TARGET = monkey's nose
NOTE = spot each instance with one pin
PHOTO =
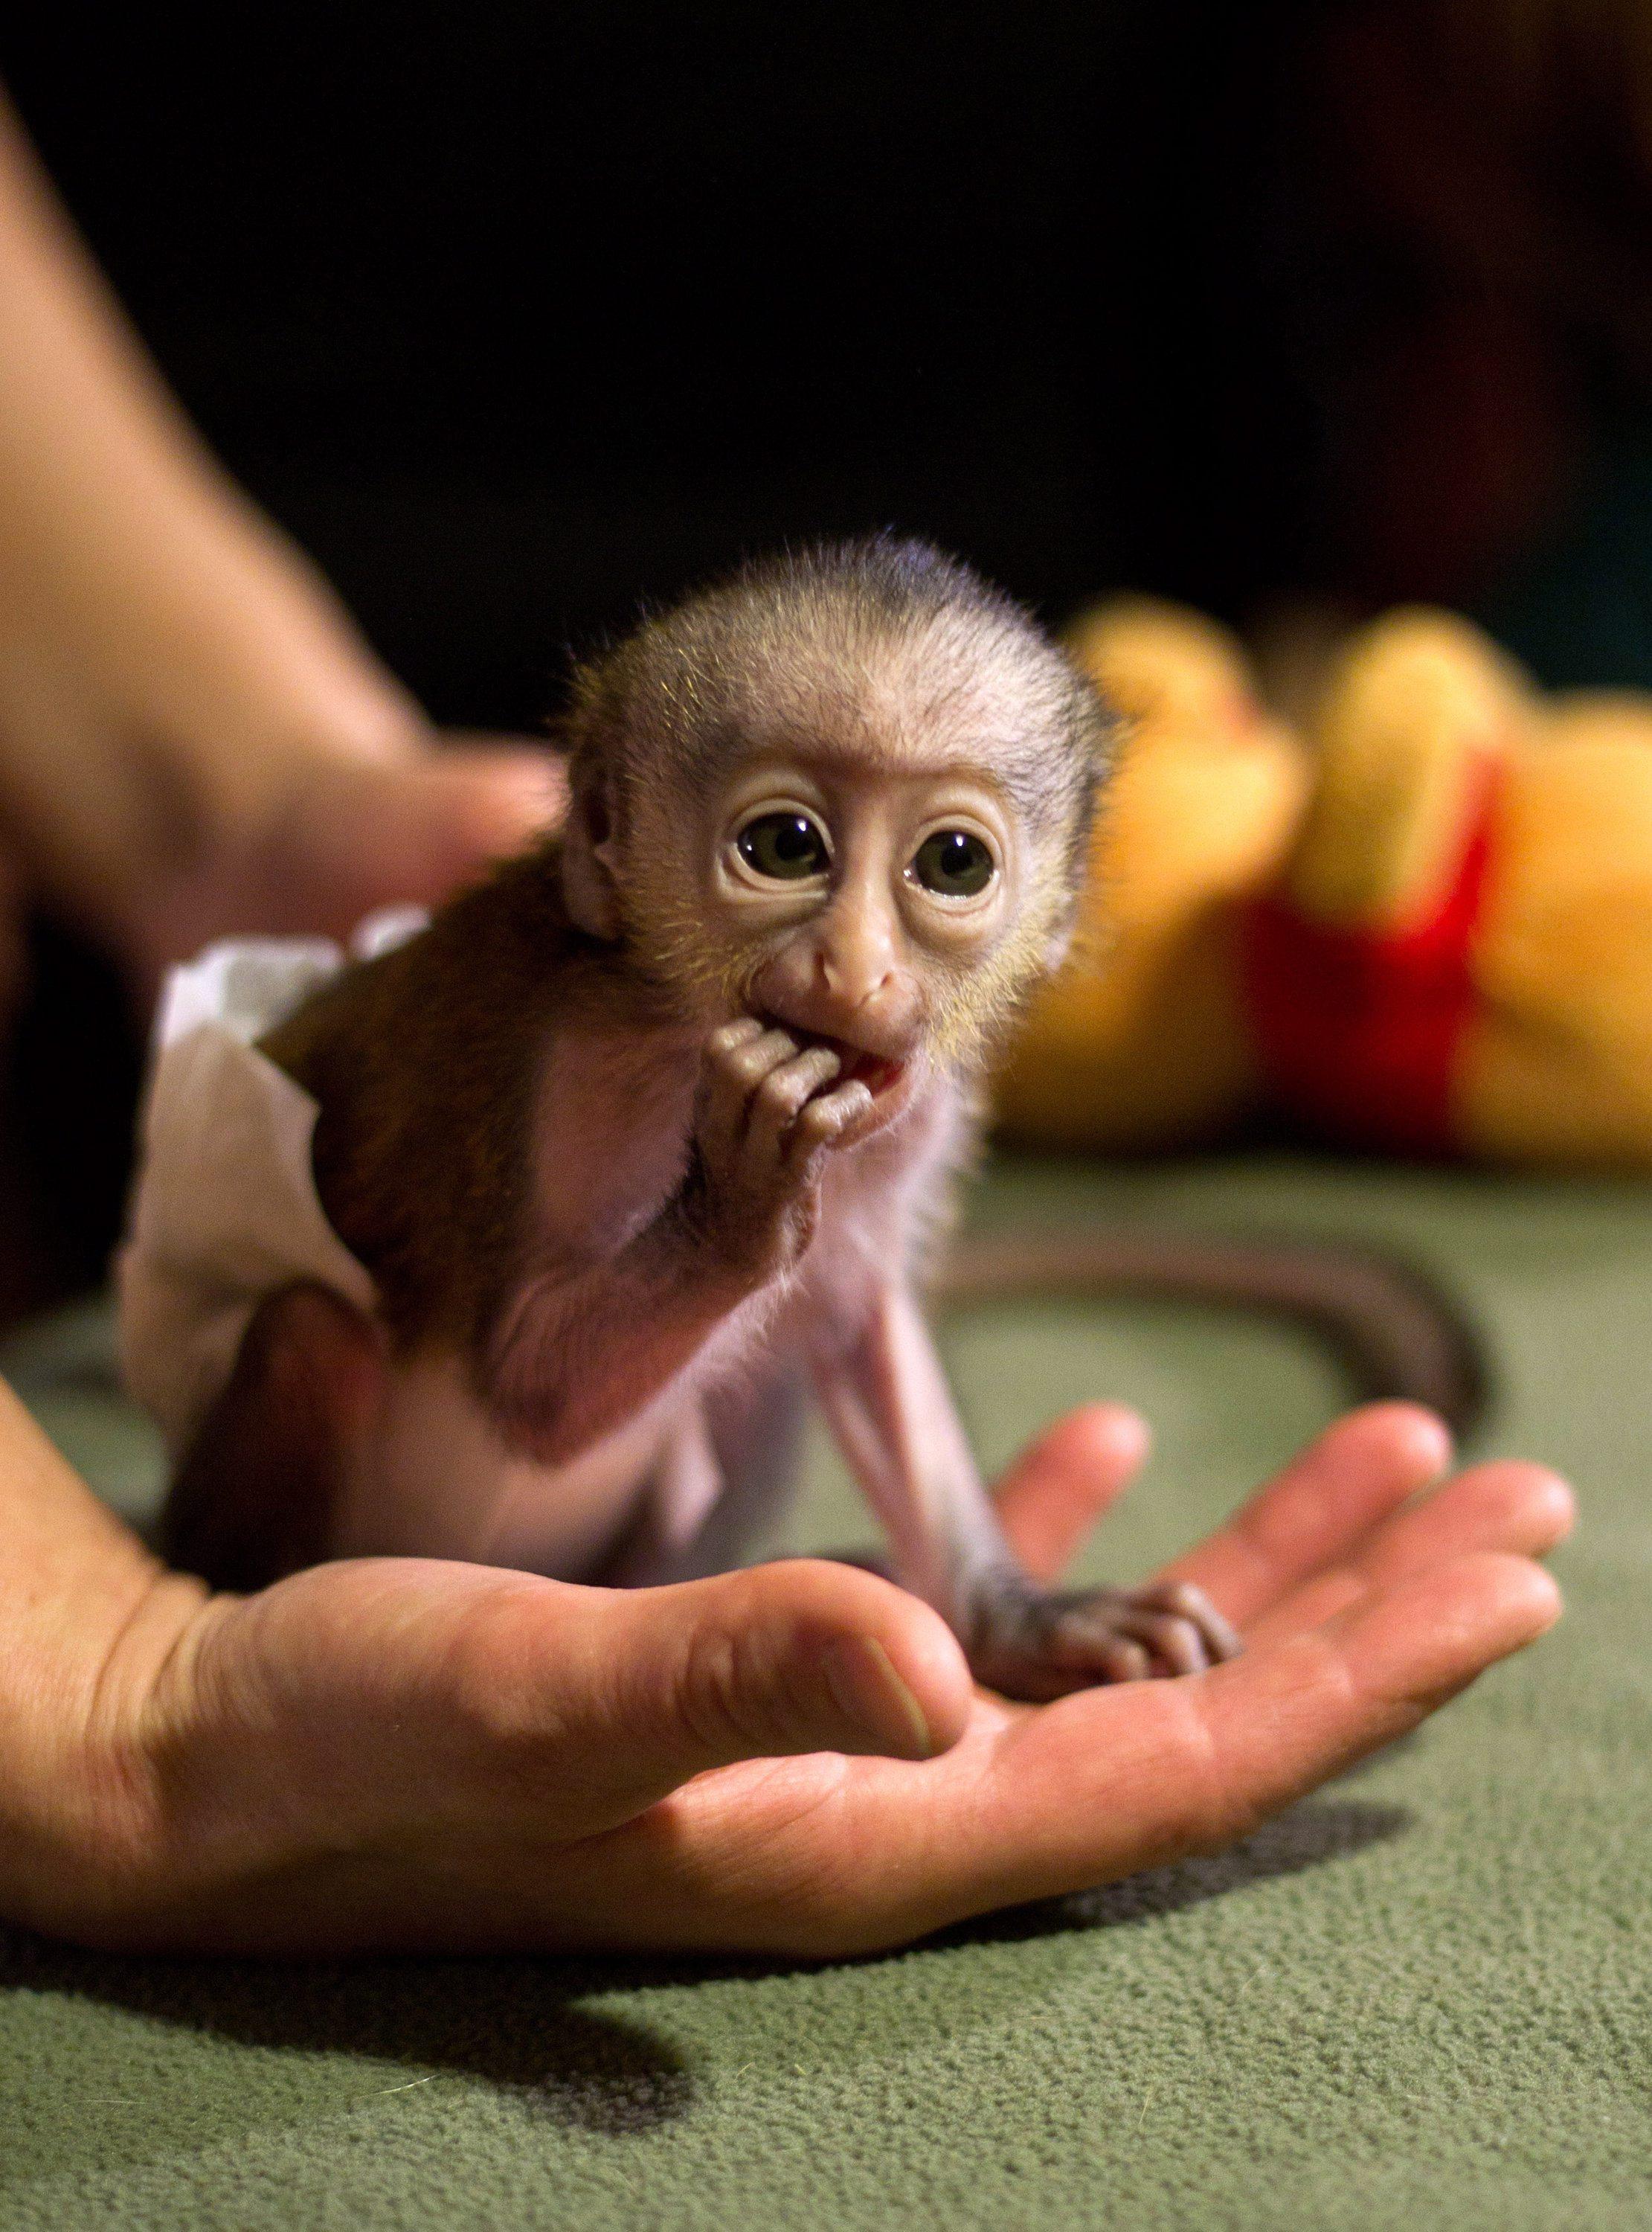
(845, 988)
(882, 1027)
(853, 988)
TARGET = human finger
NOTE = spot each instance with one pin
(1507, 1505)
(628, 1693)
(1325, 1501)
(1107, 1782)
(344, 837)
(1046, 1802)
(357, 835)
(1187, 1767)
(1056, 1491)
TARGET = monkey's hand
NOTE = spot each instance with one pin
(1037, 1643)
(766, 1114)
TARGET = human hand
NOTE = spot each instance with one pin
(345, 834)
(406, 1752)
(195, 738)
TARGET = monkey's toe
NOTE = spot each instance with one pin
(1182, 1626)
(1038, 1645)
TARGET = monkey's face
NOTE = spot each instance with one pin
(848, 793)
(863, 908)
(882, 889)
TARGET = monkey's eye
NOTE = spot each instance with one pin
(954, 863)
(787, 845)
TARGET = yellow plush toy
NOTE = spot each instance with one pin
(1135, 1042)
(1431, 931)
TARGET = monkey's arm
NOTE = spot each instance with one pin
(577, 1353)
(886, 1397)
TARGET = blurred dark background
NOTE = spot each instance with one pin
(514, 315)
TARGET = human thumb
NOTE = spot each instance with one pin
(369, 836)
(801, 1655)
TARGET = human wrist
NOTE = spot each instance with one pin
(89, 1623)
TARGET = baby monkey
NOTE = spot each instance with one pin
(650, 1132)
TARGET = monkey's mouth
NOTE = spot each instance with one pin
(878, 1073)
(875, 1071)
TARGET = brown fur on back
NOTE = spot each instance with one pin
(424, 1063)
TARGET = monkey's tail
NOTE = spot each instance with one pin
(1393, 1329)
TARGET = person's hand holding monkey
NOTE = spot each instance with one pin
(790, 1759)
(194, 738)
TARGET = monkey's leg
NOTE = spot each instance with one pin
(257, 1491)
(888, 1404)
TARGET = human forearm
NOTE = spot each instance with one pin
(167, 657)
(87, 1618)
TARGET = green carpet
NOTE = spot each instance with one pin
(1422, 1999)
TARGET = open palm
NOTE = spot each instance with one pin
(406, 1752)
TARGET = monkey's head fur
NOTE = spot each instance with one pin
(848, 790)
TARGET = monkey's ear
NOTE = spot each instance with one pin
(1058, 939)
(588, 888)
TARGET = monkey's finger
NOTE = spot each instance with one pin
(1508, 1505)
(1180, 1600)
(1170, 1641)
(825, 1119)
(739, 1075)
(1056, 1491)
(778, 1100)
(1322, 1504)
(1121, 1659)
(734, 1064)
(741, 1032)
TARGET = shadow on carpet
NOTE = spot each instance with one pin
(517, 2024)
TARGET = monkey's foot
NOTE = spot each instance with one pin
(1038, 1644)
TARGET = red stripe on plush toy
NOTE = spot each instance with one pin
(1359, 1030)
